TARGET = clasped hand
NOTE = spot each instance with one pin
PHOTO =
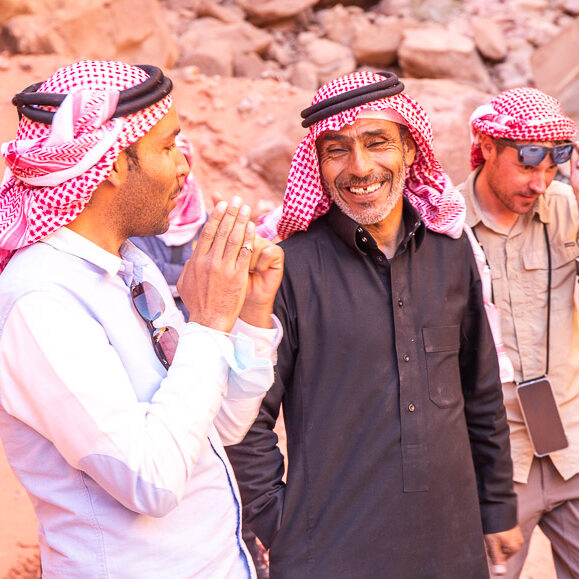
(232, 273)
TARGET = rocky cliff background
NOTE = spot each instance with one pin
(243, 69)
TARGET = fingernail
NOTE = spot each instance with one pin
(250, 227)
(499, 569)
(245, 210)
(221, 206)
(236, 201)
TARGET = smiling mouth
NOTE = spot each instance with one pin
(365, 190)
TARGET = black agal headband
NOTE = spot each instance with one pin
(131, 100)
(348, 100)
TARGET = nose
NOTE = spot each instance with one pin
(360, 161)
(540, 180)
(181, 163)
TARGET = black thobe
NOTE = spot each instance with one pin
(397, 439)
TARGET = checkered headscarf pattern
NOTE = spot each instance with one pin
(427, 187)
(519, 114)
(29, 213)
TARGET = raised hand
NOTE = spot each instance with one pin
(214, 281)
(265, 274)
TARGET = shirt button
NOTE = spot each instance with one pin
(400, 303)
(406, 358)
(411, 407)
(360, 230)
(364, 239)
(380, 258)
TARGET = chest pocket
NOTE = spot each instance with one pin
(441, 346)
(563, 272)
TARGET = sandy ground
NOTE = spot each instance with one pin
(18, 551)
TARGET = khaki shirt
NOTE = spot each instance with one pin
(519, 267)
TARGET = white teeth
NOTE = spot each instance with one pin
(365, 190)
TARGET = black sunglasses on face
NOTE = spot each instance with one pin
(534, 154)
(150, 305)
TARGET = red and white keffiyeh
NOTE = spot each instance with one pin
(427, 187)
(52, 170)
(189, 214)
(519, 114)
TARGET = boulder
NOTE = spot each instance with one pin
(242, 37)
(182, 5)
(376, 44)
(27, 34)
(11, 8)
(434, 52)
(262, 12)
(281, 51)
(540, 6)
(337, 23)
(365, 4)
(402, 8)
(229, 14)
(489, 38)
(132, 30)
(516, 69)
(213, 58)
(270, 158)
(542, 32)
(251, 65)
(330, 58)
(305, 75)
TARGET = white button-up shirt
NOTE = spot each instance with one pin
(123, 461)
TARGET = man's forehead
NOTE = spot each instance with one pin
(166, 127)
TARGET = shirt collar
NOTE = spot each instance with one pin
(351, 233)
(541, 210)
(130, 262)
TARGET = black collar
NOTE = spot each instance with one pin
(357, 236)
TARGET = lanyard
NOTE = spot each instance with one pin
(549, 268)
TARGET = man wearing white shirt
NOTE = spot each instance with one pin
(113, 410)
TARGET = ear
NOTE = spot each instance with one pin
(119, 171)
(409, 149)
(487, 146)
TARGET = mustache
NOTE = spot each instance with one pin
(364, 181)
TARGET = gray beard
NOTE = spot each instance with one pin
(372, 215)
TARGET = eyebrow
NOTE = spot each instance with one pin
(375, 133)
(172, 135)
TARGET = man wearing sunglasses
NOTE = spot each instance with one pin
(527, 224)
(113, 411)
